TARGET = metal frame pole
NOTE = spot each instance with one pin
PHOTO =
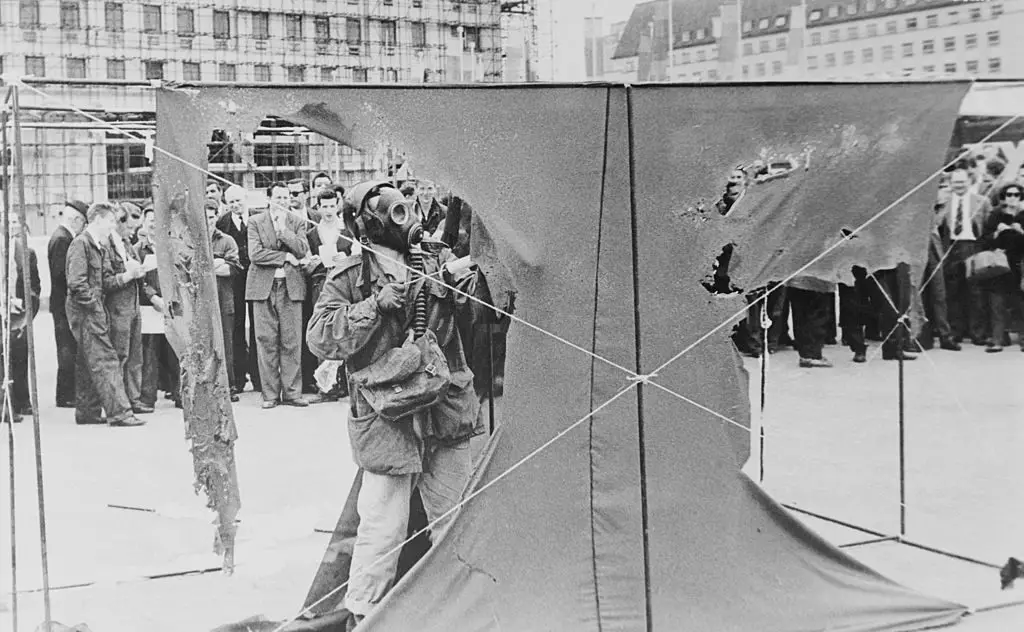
(4, 417)
(19, 174)
(902, 419)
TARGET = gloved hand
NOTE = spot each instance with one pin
(391, 298)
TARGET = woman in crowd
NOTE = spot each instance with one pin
(1005, 230)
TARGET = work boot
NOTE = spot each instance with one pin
(126, 421)
(860, 357)
(815, 363)
(142, 409)
(949, 344)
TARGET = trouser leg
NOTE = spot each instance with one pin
(66, 352)
(267, 341)
(151, 363)
(290, 345)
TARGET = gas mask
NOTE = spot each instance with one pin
(379, 213)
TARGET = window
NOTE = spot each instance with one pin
(995, 65)
(932, 21)
(812, 62)
(327, 75)
(848, 58)
(815, 39)
(760, 69)
(29, 15)
(928, 47)
(191, 71)
(975, 14)
(748, 48)
(852, 33)
(815, 15)
(702, 33)
(928, 69)
(70, 17)
(261, 26)
(121, 160)
(152, 22)
(685, 57)
(851, 9)
(186, 21)
(870, 5)
(322, 30)
(890, 26)
(830, 60)
(950, 68)
(389, 33)
(887, 53)
(779, 21)
(115, 69)
(833, 11)
(354, 31)
(702, 55)
(776, 67)
(227, 72)
(908, 49)
(76, 68)
(872, 30)
(712, 74)
(997, 10)
(780, 43)
(359, 75)
(296, 74)
(833, 35)
(890, 4)
(293, 26)
(154, 70)
(392, 73)
(993, 38)
(113, 13)
(949, 44)
(746, 71)
(687, 36)
(907, 72)
(954, 17)
(972, 67)
(911, 24)
(867, 55)
(748, 26)
(971, 41)
(221, 25)
(417, 4)
(419, 34)
(764, 23)
(35, 66)
(765, 46)
(261, 72)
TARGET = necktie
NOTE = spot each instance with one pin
(958, 227)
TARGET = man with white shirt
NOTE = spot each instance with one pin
(275, 284)
(235, 224)
(961, 230)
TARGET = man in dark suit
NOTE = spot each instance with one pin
(277, 246)
(234, 224)
(961, 229)
(72, 223)
(21, 311)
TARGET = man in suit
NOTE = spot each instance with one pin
(235, 224)
(277, 246)
(99, 377)
(961, 228)
(72, 223)
(21, 311)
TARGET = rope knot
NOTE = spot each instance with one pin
(643, 379)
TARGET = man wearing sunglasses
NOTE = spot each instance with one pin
(961, 228)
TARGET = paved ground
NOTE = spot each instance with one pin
(832, 448)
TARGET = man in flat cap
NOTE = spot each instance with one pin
(72, 223)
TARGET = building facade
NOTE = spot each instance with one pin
(69, 156)
(848, 40)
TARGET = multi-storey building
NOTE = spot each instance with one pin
(843, 40)
(259, 41)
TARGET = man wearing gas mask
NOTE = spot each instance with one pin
(413, 406)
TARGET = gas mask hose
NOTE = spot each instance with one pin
(419, 320)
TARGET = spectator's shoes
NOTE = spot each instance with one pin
(235, 391)
(992, 348)
(815, 363)
(268, 404)
(979, 342)
(298, 403)
(84, 421)
(899, 355)
(949, 344)
(142, 409)
(130, 420)
(860, 357)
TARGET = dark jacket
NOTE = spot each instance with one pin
(267, 250)
(318, 274)
(224, 247)
(57, 256)
(35, 287)
(226, 225)
(84, 271)
(346, 325)
(149, 284)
